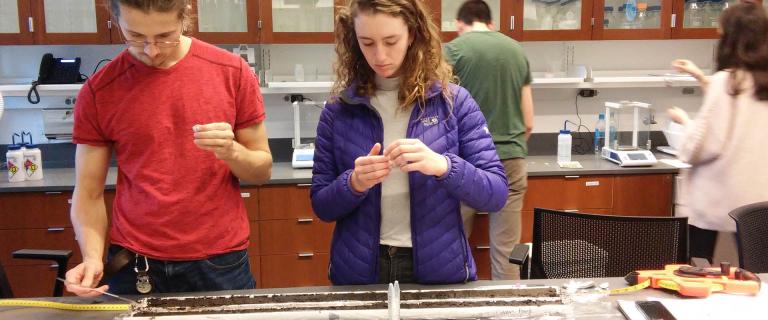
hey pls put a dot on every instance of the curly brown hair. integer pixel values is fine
(743, 47)
(423, 64)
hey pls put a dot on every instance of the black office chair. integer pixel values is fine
(61, 257)
(578, 245)
(751, 234)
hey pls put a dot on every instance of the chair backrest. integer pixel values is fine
(5, 286)
(579, 245)
(751, 235)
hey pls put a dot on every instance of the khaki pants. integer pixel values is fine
(504, 228)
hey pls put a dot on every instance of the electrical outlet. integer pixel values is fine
(689, 90)
(587, 93)
(293, 98)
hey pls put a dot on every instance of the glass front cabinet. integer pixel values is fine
(70, 21)
(15, 25)
(298, 21)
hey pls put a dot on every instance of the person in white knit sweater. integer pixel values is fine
(725, 143)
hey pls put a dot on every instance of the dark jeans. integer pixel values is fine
(228, 271)
(702, 242)
(395, 263)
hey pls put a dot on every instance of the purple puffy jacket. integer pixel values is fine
(348, 129)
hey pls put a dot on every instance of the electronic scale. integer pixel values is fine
(625, 156)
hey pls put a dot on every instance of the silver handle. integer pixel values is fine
(55, 229)
(482, 247)
(305, 254)
(245, 194)
(69, 201)
(674, 19)
(571, 210)
(304, 185)
(258, 24)
(511, 22)
(571, 177)
(31, 24)
(305, 220)
(109, 24)
(482, 213)
(592, 22)
(53, 192)
(54, 266)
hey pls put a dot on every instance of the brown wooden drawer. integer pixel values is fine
(526, 227)
(253, 243)
(50, 239)
(255, 263)
(542, 193)
(587, 192)
(280, 271)
(483, 261)
(479, 235)
(21, 210)
(33, 281)
(295, 236)
(643, 195)
(284, 202)
(250, 197)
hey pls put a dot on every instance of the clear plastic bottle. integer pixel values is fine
(630, 11)
(641, 22)
(600, 133)
(654, 17)
(564, 143)
(693, 17)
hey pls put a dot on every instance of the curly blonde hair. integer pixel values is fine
(423, 63)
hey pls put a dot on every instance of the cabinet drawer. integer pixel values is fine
(250, 197)
(43, 239)
(479, 235)
(644, 195)
(284, 202)
(280, 271)
(34, 210)
(33, 281)
(294, 236)
(254, 239)
(542, 193)
(587, 192)
(482, 257)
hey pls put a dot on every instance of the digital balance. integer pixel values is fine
(616, 148)
(303, 154)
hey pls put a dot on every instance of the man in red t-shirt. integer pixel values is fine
(185, 120)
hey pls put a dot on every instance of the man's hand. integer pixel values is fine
(414, 155)
(216, 137)
(85, 276)
(370, 170)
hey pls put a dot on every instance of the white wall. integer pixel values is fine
(19, 64)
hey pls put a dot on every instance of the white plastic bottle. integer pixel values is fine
(564, 142)
(15, 161)
(33, 162)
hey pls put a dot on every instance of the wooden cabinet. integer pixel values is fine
(28, 210)
(14, 22)
(294, 244)
(33, 281)
(554, 20)
(226, 22)
(651, 20)
(71, 22)
(298, 21)
(637, 195)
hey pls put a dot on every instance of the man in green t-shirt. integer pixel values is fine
(494, 69)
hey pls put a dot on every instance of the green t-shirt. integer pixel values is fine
(493, 68)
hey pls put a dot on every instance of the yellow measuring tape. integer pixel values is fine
(63, 306)
(637, 287)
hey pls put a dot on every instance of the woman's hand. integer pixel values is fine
(414, 155)
(678, 115)
(687, 66)
(369, 170)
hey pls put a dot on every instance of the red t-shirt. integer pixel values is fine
(174, 201)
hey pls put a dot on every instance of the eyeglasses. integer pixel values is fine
(159, 44)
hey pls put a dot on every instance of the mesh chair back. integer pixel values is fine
(578, 245)
(751, 234)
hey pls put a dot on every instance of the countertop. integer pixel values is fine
(63, 179)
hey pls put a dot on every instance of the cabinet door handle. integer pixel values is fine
(55, 229)
(571, 210)
(571, 177)
(674, 19)
(54, 265)
(511, 22)
(305, 220)
(482, 247)
(305, 254)
(245, 194)
(69, 201)
(304, 185)
(31, 24)
(481, 213)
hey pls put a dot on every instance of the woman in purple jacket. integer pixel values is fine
(397, 150)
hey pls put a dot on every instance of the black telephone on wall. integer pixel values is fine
(55, 71)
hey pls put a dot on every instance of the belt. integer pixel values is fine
(392, 250)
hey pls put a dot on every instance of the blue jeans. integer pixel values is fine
(228, 271)
(395, 264)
